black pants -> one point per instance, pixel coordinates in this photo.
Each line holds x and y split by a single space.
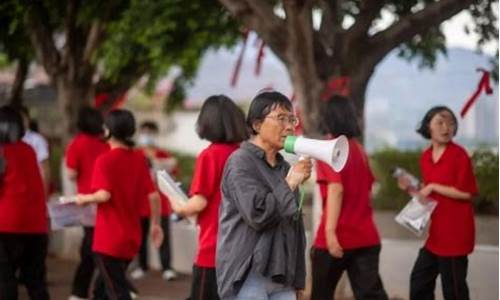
85 270
453 271
362 269
204 285
164 248
111 282
26 253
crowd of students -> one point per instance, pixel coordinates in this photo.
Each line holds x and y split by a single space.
247 202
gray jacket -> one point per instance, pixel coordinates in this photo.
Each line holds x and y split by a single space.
260 228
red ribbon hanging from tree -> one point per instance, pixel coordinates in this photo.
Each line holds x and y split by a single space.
237 67
260 57
483 85
340 85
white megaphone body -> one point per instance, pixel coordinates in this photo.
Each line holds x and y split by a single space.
333 152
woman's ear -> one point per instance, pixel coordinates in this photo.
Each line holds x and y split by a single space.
256 126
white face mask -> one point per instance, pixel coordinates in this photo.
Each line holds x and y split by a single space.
146 139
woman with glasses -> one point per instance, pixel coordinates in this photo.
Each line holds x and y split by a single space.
261 240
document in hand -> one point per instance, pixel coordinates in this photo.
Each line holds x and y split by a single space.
168 187
65 213
416 214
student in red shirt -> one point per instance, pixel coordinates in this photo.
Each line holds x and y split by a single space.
449 179
223 124
158 159
120 180
23 213
81 154
347 238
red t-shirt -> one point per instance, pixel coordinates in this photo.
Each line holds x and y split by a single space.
22 194
81 154
355 226
206 182
166 210
125 175
451 232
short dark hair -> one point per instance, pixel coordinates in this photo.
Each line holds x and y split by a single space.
11 125
90 121
121 126
263 104
220 120
151 125
423 128
339 118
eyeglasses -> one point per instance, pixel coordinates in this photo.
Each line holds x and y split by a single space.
284 119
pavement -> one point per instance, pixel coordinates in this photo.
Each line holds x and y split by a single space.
397 258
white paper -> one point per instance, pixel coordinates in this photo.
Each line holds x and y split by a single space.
416 214
171 189
68 214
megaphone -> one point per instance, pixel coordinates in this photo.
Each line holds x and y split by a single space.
333 152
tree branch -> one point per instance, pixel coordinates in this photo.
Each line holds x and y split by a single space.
368 11
258 15
418 23
41 37
331 23
94 39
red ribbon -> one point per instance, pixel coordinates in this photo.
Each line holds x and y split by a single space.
237 67
260 56
337 86
102 98
483 85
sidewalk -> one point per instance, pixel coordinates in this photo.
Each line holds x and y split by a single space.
397 259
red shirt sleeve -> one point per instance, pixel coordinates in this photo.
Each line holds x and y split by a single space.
325 174
465 179
72 156
101 177
204 176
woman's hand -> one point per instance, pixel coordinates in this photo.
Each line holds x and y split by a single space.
426 191
299 173
403 183
156 234
333 246
81 199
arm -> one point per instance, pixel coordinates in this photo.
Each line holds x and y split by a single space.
194 206
448 191
333 207
72 174
45 171
155 231
100 196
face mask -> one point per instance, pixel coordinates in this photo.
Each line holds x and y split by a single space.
146 139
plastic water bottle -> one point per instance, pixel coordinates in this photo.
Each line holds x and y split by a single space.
402 173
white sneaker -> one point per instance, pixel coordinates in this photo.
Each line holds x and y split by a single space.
169 275
133 295
137 273
73 297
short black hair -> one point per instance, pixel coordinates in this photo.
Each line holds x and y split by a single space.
263 104
11 125
90 121
338 117
151 125
121 126
221 120
424 127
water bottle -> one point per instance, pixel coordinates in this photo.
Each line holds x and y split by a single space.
402 173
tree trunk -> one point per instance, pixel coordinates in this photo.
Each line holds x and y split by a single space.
16 94
71 97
